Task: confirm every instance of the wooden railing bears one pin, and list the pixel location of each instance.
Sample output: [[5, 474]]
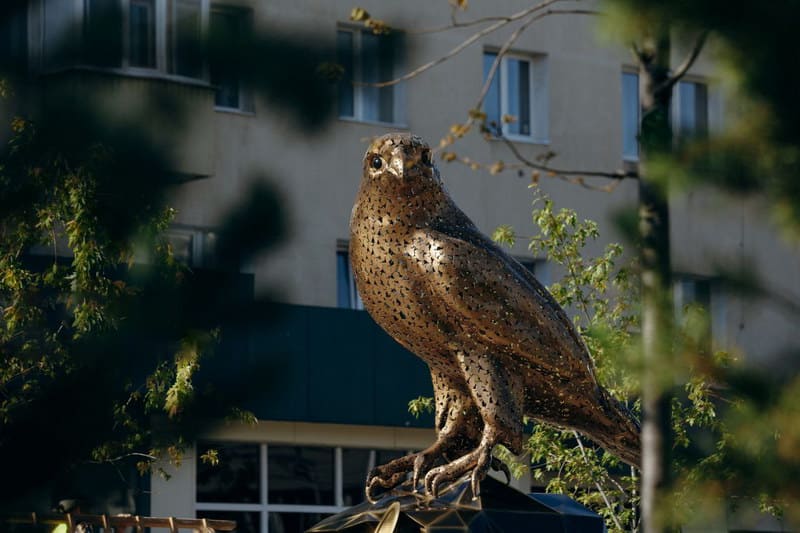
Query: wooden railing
[[115, 523]]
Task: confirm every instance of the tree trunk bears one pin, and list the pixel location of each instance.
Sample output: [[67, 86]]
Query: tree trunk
[[656, 137]]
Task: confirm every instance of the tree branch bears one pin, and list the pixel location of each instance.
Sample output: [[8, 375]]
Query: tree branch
[[513, 38], [596, 484], [616, 175], [576, 179], [472, 39], [684, 67], [114, 460], [458, 25]]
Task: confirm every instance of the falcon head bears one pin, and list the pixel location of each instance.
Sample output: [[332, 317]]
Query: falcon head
[[400, 157]]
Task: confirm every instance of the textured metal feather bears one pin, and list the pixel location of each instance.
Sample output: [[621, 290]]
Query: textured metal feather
[[497, 344]]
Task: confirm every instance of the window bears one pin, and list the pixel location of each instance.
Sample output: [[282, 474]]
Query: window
[[142, 33], [690, 113], [185, 30], [630, 116], [14, 39], [57, 44], [705, 294], [194, 247], [102, 40], [516, 103], [368, 58], [347, 296], [281, 488], [147, 36], [540, 268], [229, 24]]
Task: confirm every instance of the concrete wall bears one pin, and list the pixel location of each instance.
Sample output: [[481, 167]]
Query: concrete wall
[[318, 175]]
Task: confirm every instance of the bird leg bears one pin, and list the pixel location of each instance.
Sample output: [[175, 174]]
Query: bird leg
[[497, 393], [458, 426], [388, 476], [478, 461]]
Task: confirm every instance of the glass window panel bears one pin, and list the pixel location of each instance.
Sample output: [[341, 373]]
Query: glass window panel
[[101, 33], [58, 26], [186, 38], [386, 52], [342, 280], [246, 521], [686, 110], [630, 115], [354, 295], [701, 109], [226, 25], [344, 51], [524, 118], [142, 38], [491, 105], [370, 69], [300, 475], [234, 479], [693, 109], [356, 464], [519, 96], [293, 522], [14, 39]]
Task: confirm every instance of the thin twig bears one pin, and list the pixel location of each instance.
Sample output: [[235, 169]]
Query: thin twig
[[454, 25], [125, 456], [574, 180], [617, 175], [464, 44], [502, 52], [596, 484]]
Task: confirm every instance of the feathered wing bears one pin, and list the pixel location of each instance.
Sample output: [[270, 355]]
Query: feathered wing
[[496, 301], [499, 306]]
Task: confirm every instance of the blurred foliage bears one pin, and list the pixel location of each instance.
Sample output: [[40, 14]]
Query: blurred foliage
[[103, 331], [114, 353], [759, 150], [603, 294]]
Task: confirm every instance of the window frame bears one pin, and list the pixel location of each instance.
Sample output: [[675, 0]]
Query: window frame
[[159, 44], [201, 244], [246, 104], [684, 293], [263, 507], [540, 267], [628, 157], [359, 105], [164, 68], [681, 133], [538, 95], [354, 298]]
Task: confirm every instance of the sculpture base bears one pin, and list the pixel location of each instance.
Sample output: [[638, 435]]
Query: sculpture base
[[498, 509]]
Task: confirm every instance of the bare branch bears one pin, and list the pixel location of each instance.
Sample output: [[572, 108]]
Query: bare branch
[[599, 487], [454, 25], [574, 180], [684, 67], [512, 39], [472, 39], [616, 175], [126, 456], [638, 54]]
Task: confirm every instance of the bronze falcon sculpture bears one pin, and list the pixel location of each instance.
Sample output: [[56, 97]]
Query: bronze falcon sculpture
[[497, 344]]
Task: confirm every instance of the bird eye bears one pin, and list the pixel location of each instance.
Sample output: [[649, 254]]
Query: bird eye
[[376, 162], [426, 157]]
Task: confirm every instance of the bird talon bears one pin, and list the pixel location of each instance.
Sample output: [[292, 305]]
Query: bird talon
[[500, 466], [476, 484]]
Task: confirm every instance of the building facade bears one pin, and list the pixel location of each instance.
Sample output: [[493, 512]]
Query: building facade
[[571, 93]]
